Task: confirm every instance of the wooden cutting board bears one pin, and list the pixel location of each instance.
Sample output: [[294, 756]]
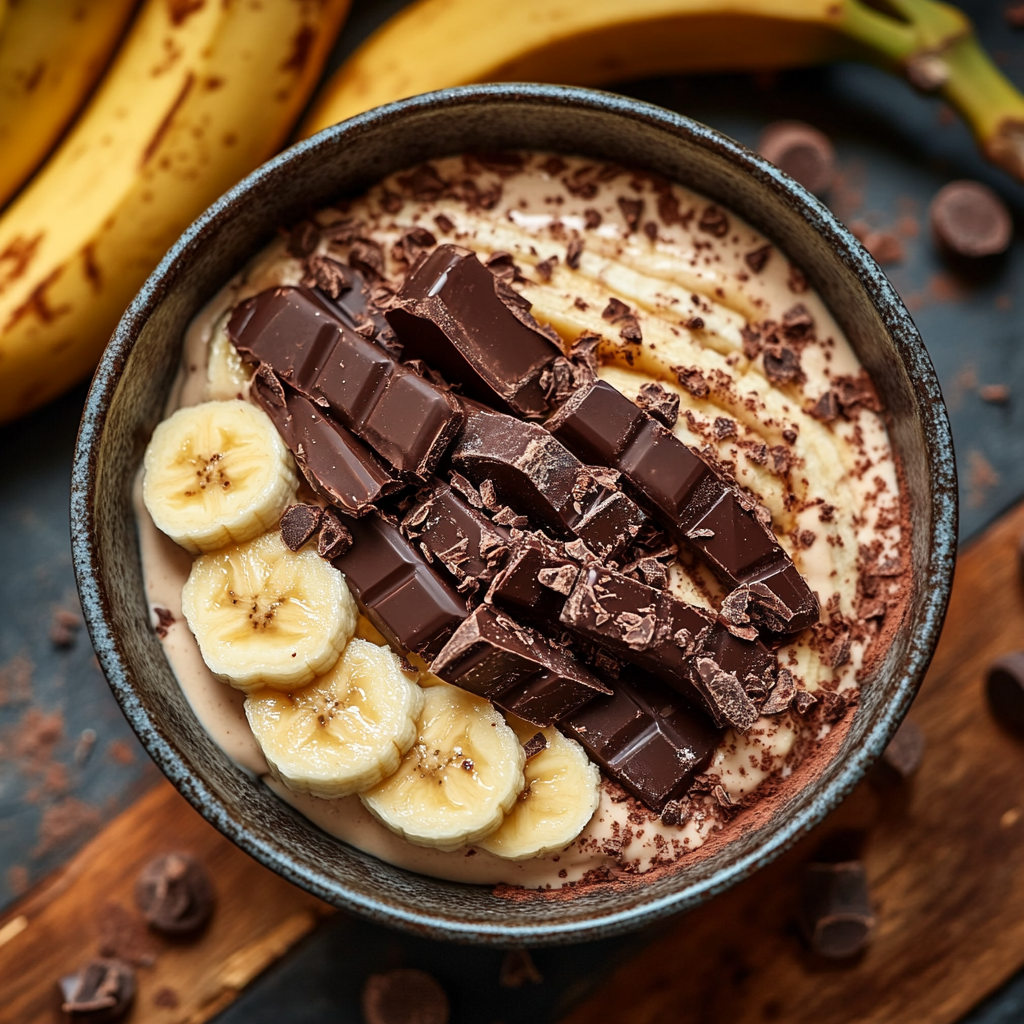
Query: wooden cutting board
[[945, 857]]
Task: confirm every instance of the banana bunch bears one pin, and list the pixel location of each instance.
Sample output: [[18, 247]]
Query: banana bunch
[[336, 714], [435, 44], [197, 96]]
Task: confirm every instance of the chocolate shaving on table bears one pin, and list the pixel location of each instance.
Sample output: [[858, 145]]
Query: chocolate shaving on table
[[662, 404], [101, 990], [905, 750], [335, 538], [299, 523], [404, 996], [534, 745], [175, 895], [518, 968], [835, 917], [1005, 690]]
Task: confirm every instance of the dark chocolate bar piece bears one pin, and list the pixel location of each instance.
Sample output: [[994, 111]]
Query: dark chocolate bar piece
[[408, 601], [646, 738], [601, 425], [536, 475], [405, 418], [517, 668], [338, 466], [449, 314], [460, 537]]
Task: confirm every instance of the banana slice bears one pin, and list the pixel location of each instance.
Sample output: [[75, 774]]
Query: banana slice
[[559, 798], [345, 731], [226, 373], [267, 616], [459, 779], [216, 473]]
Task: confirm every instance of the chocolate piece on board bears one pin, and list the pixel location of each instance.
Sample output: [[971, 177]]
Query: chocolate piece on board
[[536, 475], [516, 668], [406, 599], [404, 996], [905, 750], [970, 220], [646, 738], [835, 909], [468, 544], [299, 523], [1005, 689], [450, 315], [601, 425], [803, 152], [174, 894], [338, 466], [404, 417], [100, 990]]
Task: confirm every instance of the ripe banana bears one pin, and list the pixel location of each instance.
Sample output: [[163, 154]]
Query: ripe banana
[[435, 44], [458, 780], [200, 94], [216, 473], [267, 616], [345, 731], [51, 54], [562, 792]]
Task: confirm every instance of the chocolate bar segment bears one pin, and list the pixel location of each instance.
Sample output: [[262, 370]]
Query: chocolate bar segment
[[517, 668], [601, 425], [536, 475], [460, 537], [645, 738], [449, 315], [410, 603], [406, 419], [338, 466]]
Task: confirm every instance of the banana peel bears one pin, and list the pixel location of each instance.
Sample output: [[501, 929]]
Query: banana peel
[[436, 44]]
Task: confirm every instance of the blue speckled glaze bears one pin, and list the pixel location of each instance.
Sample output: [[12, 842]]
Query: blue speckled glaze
[[130, 388]]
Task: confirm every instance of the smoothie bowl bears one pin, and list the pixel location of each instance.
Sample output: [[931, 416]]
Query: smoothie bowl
[[495, 513]]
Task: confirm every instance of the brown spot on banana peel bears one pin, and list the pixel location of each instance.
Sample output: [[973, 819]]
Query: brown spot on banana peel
[[165, 124], [1006, 147], [19, 254], [36, 304], [302, 47], [91, 268], [180, 10]]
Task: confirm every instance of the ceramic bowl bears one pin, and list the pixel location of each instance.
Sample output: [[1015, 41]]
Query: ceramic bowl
[[132, 383]]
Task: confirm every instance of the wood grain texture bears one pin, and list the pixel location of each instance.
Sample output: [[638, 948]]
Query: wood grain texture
[[258, 917], [944, 856]]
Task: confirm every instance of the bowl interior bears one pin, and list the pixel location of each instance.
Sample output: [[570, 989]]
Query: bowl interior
[[130, 389]]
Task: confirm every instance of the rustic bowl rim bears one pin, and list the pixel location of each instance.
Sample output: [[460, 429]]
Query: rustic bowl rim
[[937, 581]]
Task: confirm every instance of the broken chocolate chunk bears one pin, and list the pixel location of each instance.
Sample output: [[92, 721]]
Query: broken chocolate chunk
[[714, 221], [335, 538], [101, 990], [517, 668], [757, 259], [174, 894], [836, 917], [970, 220], [299, 523], [404, 597], [1005, 690], [905, 750], [303, 239], [534, 745], [693, 380], [663, 405], [724, 694], [573, 252], [781, 364], [330, 276], [449, 314], [645, 738]]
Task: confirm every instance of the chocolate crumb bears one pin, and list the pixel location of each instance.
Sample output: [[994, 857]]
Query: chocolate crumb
[[299, 523], [757, 259], [997, 394], [663, 405], [573, 252], [304, 238], [724, 428], [632, 211], [615, 311], [695, 323], [166, 997], [404, 996], [591, 219], [330, 276], [675, 812], [518, 968], [714, 221], [64, 628], [534, 745], [367, 257], [546, 267], [781, 364], [826, 408], [803, 701], [335, 539], [836, 918], [693, 380], [444, 224], [101, 990], [174, 894]]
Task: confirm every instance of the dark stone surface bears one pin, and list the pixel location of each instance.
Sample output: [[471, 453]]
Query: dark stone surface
[[897, 148]]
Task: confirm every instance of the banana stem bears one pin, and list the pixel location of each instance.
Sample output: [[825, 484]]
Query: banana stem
[[935, 47]]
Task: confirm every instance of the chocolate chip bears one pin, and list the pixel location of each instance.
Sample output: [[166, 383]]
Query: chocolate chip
[[404, 996], [693, 380], [826, 408], [1005, 689], [546, 267], [835, 909], [534, 745], [632, 211], [335, 538], [299, 523], [758, 258], [663, 405], [425, 183], [804, 153], [444, 224], [724, 428], [905, 750], [969, 220], [573, 252], [714, 221], [304, 238], [517, 969], [100, 990], [695, 323], [591, 219], [174, 894], [781, 364]]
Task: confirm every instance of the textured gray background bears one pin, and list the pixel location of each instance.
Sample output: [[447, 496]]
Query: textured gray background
[[896, 149]]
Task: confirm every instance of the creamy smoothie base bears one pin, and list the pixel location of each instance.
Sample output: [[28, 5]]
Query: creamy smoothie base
[[769, 391]]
